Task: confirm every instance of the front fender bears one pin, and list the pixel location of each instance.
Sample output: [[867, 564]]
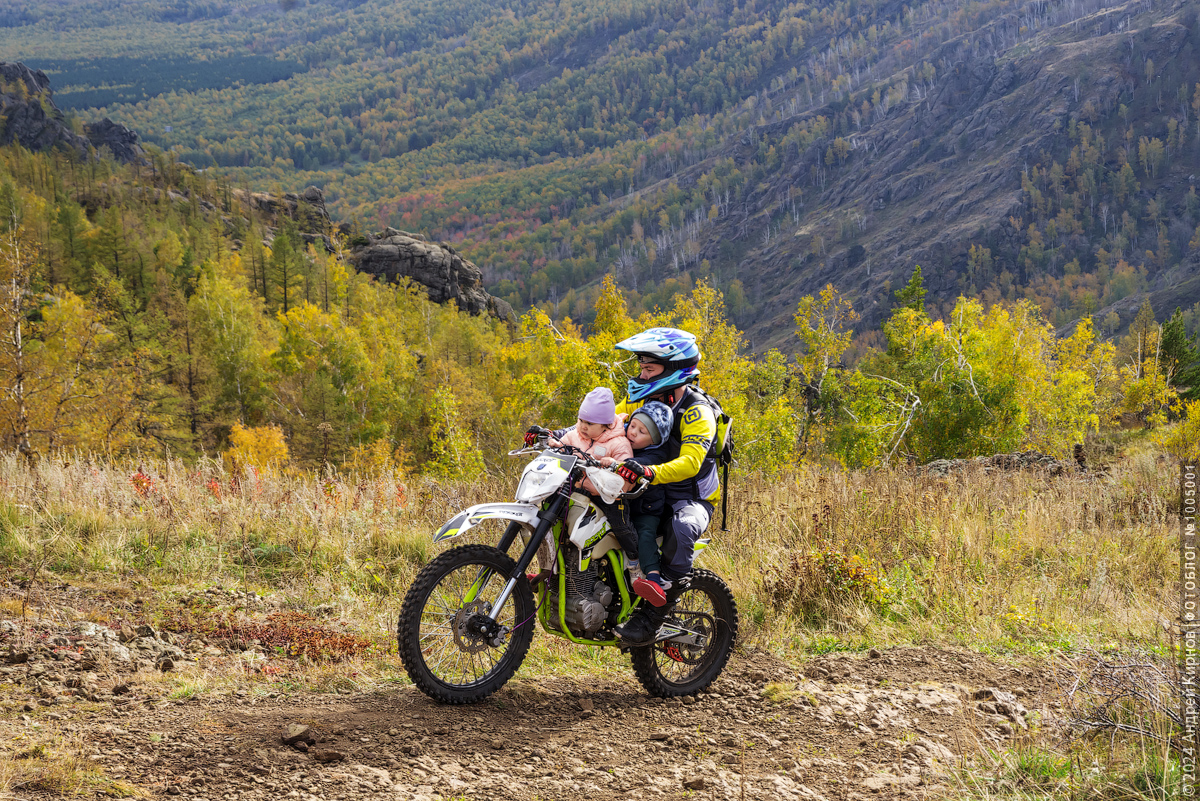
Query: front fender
[[524, 513]]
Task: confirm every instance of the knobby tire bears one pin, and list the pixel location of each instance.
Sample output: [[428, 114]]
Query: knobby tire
[[420, 604], [707, 590]]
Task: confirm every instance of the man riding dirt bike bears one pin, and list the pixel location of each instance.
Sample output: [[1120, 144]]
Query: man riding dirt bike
[[669, 360], [465, 624]]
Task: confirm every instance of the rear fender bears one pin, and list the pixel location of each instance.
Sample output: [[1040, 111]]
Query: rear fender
[[526, 514]]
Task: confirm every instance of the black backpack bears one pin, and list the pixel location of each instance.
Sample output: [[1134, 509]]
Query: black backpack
[[722, 448]]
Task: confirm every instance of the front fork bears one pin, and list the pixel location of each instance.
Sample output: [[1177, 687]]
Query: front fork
[[546, 519]]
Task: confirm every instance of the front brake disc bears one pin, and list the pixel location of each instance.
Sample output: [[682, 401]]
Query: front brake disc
[[464, 638]]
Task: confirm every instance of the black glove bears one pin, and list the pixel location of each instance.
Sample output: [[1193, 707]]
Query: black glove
[[531, 436], [632, 471]]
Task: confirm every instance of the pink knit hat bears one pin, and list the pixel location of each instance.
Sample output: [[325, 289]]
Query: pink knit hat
[[598, 407]]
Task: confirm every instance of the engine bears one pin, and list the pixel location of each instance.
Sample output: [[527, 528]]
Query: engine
[[587, 598]]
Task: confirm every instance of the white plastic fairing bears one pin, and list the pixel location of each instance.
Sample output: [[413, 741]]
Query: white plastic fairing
[[543, 476], [524, 514], [589, 530]]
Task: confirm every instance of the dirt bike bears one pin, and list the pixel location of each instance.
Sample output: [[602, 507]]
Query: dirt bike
[[466, 621]]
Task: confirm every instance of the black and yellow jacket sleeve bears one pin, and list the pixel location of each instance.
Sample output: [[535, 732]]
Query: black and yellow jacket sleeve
[[697, 430]]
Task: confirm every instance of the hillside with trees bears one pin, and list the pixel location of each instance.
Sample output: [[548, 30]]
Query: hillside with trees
[[1014, 150], [149, 308]]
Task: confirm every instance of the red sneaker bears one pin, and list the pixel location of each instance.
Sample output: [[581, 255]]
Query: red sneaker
[[649, 591]]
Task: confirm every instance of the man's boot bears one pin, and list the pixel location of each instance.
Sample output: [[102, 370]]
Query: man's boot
[[642, 627]]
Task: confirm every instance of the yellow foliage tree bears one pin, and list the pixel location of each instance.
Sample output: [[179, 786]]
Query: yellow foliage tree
[[455, 455], [1182, 440], [823, 325], [723, 370], [261, 447]]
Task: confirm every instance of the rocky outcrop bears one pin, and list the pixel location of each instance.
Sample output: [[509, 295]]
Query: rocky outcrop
[[307, 208], [28, 117], [120, 141], [392, 255]]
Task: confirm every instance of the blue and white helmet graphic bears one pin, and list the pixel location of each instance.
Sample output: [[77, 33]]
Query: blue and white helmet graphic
[[674, 349]]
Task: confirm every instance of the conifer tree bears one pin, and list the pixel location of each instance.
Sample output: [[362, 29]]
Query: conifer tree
[[285, 269], [912, 296], [1181, 358]]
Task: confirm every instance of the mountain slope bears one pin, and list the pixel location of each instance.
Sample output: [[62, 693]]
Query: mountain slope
[[768, 146], [969, 163]]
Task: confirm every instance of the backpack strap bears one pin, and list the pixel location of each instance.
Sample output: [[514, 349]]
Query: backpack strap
[[725, 497]]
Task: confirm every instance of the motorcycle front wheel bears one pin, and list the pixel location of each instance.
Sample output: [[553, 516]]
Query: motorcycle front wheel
[[669, 668], [439, 631]]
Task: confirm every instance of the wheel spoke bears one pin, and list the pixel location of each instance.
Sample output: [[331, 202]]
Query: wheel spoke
[[445, 629], [452, 654], [693, 606], [708, 610]]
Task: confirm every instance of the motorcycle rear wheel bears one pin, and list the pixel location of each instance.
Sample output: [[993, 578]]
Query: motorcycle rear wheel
[[444, 656], [669, 670]]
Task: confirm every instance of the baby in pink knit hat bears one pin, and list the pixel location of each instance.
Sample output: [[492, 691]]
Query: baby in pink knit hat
[[600, 432]]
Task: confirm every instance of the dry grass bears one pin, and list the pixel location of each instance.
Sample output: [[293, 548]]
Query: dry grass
[[999, 561], [819, 560], [50, 761]]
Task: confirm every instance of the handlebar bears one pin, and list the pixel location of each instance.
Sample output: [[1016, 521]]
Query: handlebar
[[641, 484]]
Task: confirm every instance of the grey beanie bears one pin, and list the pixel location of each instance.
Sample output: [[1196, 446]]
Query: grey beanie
[[658, 418]]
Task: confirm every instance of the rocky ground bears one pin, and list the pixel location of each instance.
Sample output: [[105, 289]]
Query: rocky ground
[[884, 724]]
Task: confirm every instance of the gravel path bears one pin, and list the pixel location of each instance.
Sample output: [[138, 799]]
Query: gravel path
[[884, 724]]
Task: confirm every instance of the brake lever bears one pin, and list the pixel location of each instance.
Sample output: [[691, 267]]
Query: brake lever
[[536, 448], [642, 486]]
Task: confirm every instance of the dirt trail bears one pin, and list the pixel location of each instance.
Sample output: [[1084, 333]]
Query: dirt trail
[[879, 725]]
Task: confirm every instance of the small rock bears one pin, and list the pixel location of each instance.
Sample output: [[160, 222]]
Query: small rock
[[696, 783], [659, 735], [118, 652], [295, 733], [325, 757], [301, 746], [993, 694]]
